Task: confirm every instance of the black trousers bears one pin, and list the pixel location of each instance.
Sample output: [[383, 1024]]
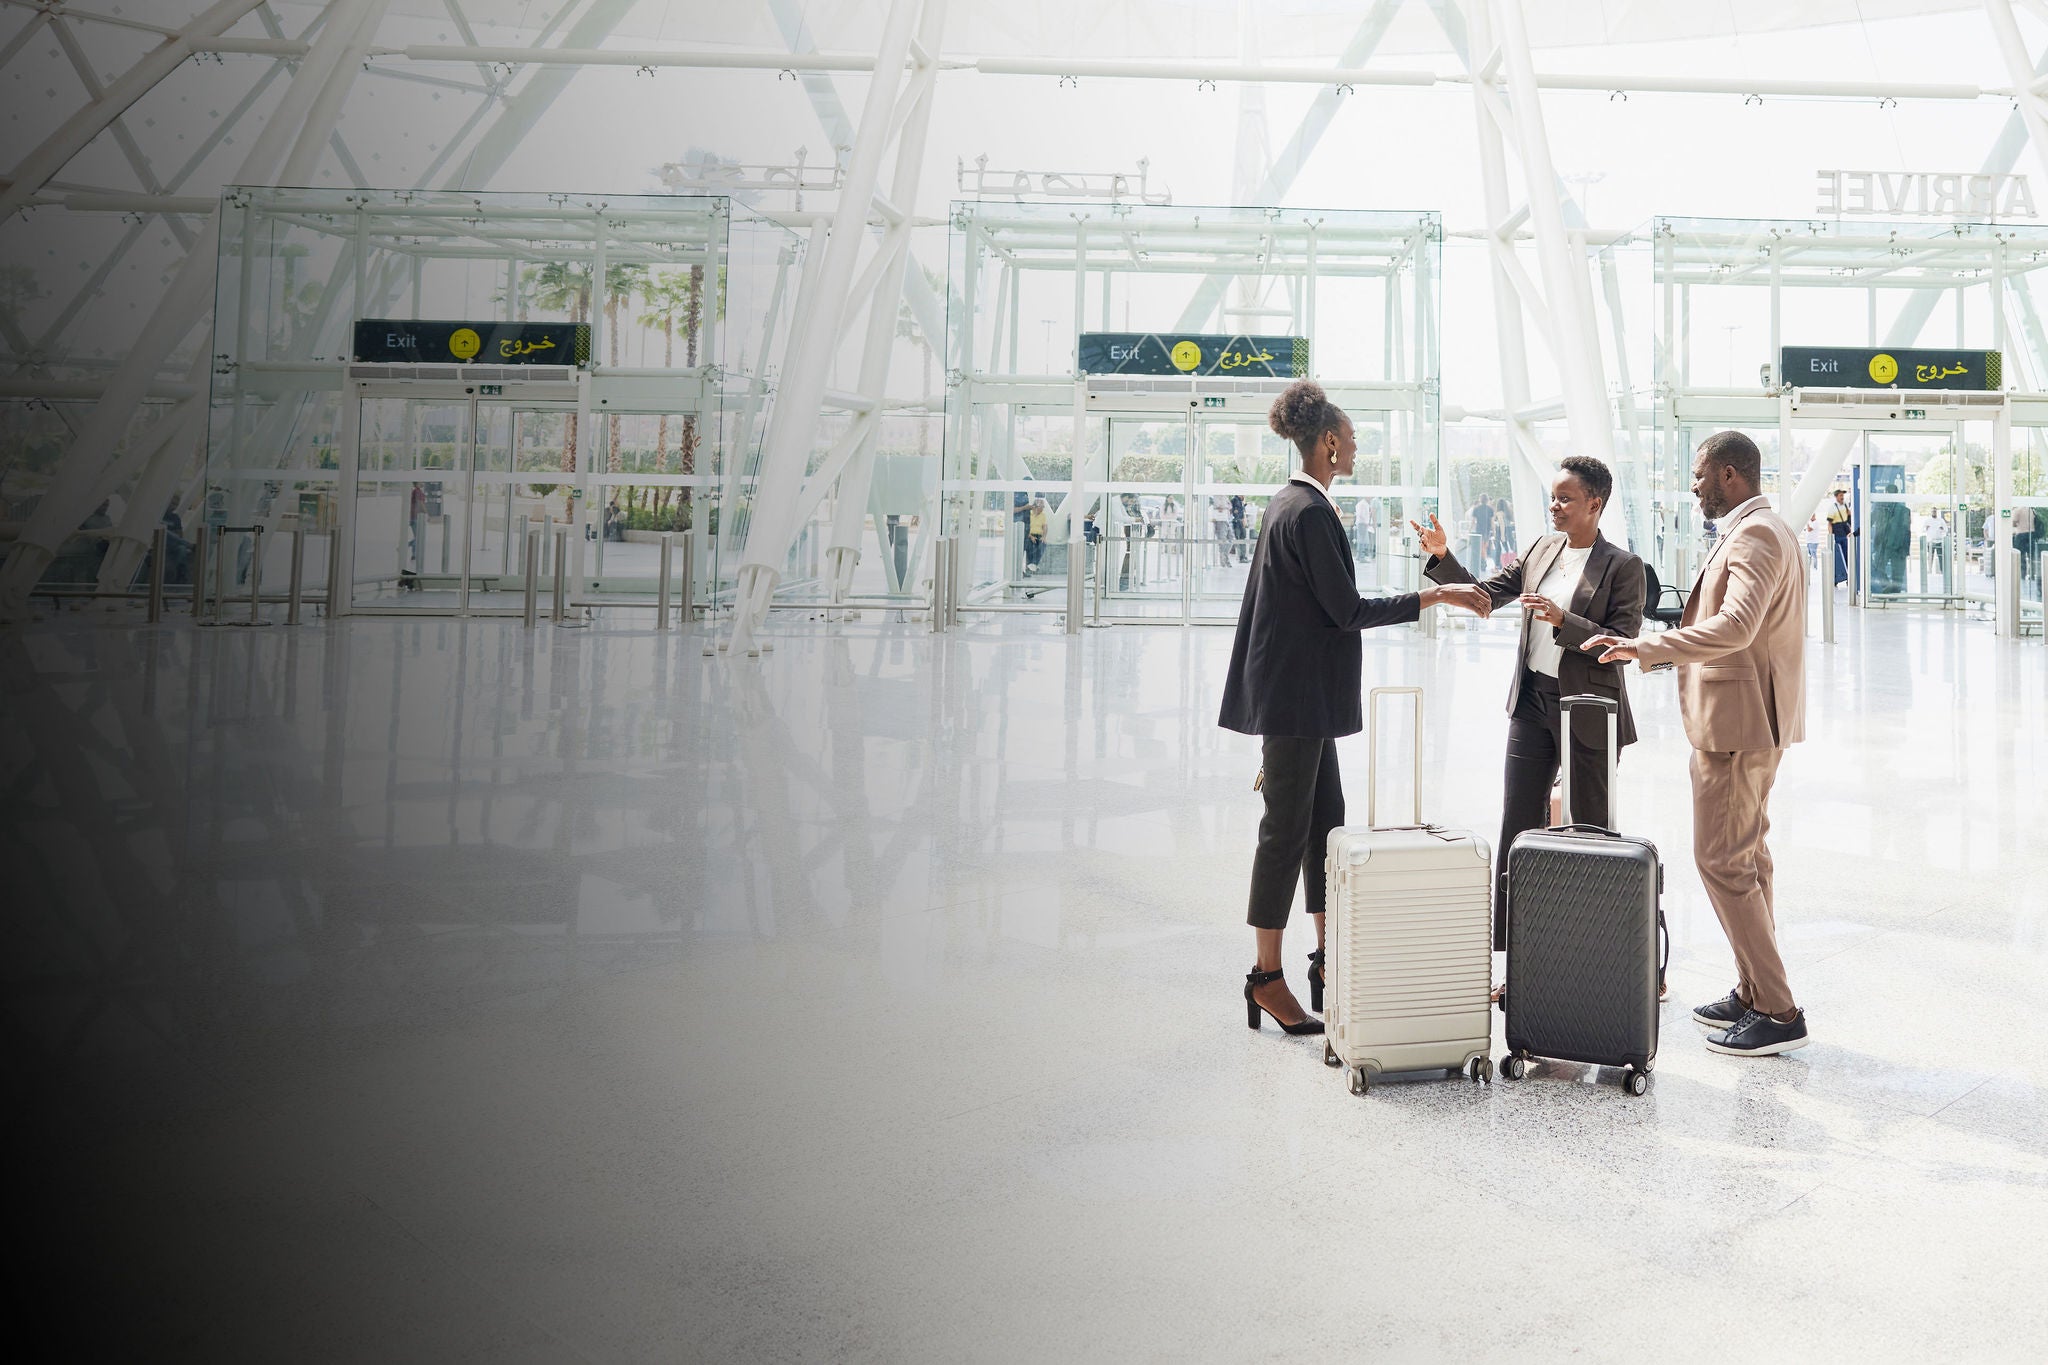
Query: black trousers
[[1304, 802], [1535, 738]]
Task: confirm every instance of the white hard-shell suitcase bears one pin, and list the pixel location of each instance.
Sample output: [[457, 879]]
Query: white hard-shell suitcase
[[1410, 927]]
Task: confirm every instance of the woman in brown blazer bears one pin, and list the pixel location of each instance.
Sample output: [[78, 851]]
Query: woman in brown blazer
[[1573, 584]]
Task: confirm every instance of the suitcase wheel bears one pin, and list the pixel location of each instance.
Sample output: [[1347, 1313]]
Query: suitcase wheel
[[1513, 1067], [1482, 1069], [1635, 1082], [1330, 1057], [1359, 1081]]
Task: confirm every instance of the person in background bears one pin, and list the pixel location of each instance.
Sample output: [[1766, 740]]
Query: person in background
[[1839, 518], [1483, 526], [1237, 526], [1294, 679], [1741, 656], [1034, 535], [1573, 584]]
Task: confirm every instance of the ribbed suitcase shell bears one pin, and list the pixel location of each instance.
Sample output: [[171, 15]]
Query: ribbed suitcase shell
[[1582, 947], [1410, 950]]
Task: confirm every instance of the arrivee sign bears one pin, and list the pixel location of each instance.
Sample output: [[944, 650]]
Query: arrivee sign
[[1923, 194]]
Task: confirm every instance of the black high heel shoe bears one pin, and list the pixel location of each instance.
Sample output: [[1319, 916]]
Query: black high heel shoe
[[1315, 981], [1255, 978]]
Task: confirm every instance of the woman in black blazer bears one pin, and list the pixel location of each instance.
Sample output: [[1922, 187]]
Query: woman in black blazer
[[1573, 584], [1295, 670]]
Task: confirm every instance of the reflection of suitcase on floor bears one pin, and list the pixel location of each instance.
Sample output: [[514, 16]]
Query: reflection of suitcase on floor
[[1410, 939], [1583, 922]]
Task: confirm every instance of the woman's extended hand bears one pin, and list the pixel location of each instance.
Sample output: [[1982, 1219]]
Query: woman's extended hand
[[1436, 543], [1470, 596], [1543, 609]]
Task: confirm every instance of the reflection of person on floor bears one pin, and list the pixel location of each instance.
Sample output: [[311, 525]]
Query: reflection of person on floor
[[1034, 535]]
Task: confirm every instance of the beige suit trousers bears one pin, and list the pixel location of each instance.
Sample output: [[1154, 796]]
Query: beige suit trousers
[[1731, 794]]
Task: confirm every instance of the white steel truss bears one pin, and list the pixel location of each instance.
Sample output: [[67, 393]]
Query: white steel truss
[[786, 492], [1526, 213]]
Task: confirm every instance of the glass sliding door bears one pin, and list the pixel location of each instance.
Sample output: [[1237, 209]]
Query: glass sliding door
[[411, 503]]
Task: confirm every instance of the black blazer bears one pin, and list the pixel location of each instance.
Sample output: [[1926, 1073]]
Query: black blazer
[[1296, 664], [1608, 601]]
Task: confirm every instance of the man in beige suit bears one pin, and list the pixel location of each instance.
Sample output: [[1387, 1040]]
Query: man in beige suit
[[1740, 651]]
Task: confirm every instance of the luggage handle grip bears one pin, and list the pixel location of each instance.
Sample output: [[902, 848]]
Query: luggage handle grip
[[1564, 713], [1372, 753]]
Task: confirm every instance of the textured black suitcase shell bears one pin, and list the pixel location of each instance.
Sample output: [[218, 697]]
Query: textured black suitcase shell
[[1582, 947]]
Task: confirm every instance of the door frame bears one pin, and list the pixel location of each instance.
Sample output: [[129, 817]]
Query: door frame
[[566, 394]]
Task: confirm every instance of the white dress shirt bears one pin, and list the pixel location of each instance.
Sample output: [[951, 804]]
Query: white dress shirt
[[1562, 580], [1311, 482]]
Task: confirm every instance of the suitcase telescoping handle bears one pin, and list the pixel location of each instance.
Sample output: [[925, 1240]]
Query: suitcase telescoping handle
[[1613, 710], [1372, 751]]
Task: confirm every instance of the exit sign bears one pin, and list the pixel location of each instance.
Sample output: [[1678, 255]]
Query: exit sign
[[1213, 400]]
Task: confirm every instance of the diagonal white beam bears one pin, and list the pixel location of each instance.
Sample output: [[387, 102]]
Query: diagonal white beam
[[34, 170]]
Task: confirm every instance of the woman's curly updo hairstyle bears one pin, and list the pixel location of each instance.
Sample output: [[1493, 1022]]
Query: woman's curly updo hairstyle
[[1302, 413]]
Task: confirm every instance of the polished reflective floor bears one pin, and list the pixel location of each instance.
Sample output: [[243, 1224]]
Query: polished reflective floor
[[439, 990]]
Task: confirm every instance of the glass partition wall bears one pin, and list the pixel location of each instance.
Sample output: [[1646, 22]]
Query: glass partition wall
[[440, 380], [1938, 482], [1175, 468]]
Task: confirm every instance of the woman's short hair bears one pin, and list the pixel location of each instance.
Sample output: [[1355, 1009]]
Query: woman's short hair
[[1303, 412], [1597, 478]]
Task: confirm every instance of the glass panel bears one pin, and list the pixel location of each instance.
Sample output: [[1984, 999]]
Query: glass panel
[[1239, 464], [513, 445], [1910, 514], [410, 510], [1145, 518]]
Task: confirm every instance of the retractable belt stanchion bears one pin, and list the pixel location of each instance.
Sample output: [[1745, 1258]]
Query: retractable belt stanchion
[[158, 540], [333, 603], [561, 583], [298, 579], [689, 575], [199, 572], [668, 546], [256, 577], [1827, 599], [531, 611]]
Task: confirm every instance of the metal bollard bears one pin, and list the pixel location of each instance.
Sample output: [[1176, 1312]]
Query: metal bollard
[[531, 612], [158, 540], [689, 578], [298, 582], [941, 558], [955, 557], [1102, 556], [199, 573], [1827, 599], [220, 573], [1076, 603], [561, 584], [256, 576], [334, 604], [668, 545]]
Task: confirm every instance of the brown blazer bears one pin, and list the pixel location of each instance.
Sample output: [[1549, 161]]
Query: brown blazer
[[1607, 601], [1741, 645]]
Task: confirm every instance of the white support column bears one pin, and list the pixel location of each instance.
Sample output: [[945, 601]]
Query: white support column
[[189, 299], [1527, 464], [879, 347], [793, 426], [1575, 336]]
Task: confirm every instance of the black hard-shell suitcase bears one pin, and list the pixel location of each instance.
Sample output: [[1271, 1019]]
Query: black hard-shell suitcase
[[1583, 926]]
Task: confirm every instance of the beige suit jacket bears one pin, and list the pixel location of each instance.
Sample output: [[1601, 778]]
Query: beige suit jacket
[[1741, 645]]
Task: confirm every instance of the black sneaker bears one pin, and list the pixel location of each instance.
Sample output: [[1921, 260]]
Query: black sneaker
[[1759, 1035], [1723, 1013]]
